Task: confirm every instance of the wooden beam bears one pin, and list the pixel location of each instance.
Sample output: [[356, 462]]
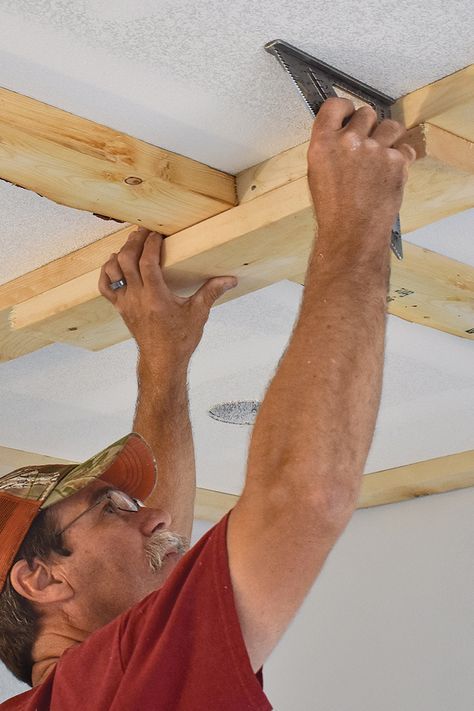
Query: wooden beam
[[14, 344], [85, 165], [63, 269], [426, 288], [389, 486], [246, 242], [268, 237], [440, 183], [16, 458], [447, 103], [251, 183]]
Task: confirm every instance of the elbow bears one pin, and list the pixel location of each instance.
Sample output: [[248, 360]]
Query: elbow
[[335, 505], [332, 498]]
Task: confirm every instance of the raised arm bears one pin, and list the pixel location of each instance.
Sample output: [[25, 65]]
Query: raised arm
[[315, 426], [167, 329]]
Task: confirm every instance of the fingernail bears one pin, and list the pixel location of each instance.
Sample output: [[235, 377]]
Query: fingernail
[[230, 285]]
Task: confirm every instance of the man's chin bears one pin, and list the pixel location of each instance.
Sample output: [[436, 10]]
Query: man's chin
[[169, 562]]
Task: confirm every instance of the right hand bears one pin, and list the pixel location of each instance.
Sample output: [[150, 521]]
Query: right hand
[[356, 176]]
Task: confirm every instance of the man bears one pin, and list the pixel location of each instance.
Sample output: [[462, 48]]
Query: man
[[126, 626]]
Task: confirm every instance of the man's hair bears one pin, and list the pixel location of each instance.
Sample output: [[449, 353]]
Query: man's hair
[[20, 619]]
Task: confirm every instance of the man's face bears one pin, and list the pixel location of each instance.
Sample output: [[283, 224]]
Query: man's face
[[117, 558]]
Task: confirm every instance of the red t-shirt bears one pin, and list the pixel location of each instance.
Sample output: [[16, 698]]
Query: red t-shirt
[[179, 649]]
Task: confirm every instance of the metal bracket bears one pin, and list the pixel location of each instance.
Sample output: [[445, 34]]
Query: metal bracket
[[316, 81]]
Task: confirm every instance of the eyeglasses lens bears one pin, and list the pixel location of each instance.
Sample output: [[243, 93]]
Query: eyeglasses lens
[[124, 502]]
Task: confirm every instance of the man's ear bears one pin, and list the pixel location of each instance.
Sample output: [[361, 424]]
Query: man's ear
[[43, 584]]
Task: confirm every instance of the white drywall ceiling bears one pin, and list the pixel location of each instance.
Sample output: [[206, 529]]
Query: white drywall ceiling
[[193, 78]]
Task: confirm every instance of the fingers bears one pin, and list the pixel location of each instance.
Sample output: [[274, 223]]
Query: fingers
[[213, 290], [335, 111], [409, 154], [113, 269], [129, 256], [363, 121], [110, 272], [124, 265], [407, 151], [332, 114], [388, 132], [150, 262], [104, 285]]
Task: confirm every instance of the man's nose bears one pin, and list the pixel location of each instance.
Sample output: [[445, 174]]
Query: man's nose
[[158, 519]]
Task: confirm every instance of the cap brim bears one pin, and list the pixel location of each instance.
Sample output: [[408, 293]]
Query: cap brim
[[128, 464]]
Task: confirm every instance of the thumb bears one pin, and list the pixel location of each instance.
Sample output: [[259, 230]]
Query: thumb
[[213, 290]]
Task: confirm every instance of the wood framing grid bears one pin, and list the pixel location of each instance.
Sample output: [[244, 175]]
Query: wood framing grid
[[258, 225], [266, 237]]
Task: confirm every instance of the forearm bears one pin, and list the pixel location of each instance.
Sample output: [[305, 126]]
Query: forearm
[[162, 418], [316, 423]]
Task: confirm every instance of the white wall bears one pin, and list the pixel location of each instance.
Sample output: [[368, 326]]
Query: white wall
[[389, 624]]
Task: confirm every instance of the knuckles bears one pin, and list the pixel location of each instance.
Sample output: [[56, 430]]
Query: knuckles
[[391, 123], [337, 100], [369, 110], [124, 256]]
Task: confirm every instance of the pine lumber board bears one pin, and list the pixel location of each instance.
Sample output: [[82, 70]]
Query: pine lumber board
[[440, 182], [264, 242], [430, 289], [251, 183], [79, 163], [16, 458], [62, 269], [447, 103], [426, 288], [14, 344], [268, 237], [388, 486]]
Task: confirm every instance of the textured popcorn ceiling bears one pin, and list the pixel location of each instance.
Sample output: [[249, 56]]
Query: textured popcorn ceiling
[[193, 77]]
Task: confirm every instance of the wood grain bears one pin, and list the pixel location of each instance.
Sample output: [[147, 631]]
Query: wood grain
[[82, 164], [268, 237]]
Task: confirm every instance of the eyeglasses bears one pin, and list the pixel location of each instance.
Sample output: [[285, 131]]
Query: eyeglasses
[[118, 500]]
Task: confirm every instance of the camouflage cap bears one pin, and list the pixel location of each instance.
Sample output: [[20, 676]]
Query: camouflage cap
[[128, 464]]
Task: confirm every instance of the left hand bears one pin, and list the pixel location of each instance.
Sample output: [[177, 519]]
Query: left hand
[[166, 327]]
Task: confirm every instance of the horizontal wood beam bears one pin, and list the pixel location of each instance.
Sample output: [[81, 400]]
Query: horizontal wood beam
[[447, 103], [14, 344], [251, 183], [16, 458], [268, 237], [440, 182], [82, 164], [261, 242], [389, 486]]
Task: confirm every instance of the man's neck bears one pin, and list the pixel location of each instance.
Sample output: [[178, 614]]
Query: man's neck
[[40, 671], [48, 649]]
